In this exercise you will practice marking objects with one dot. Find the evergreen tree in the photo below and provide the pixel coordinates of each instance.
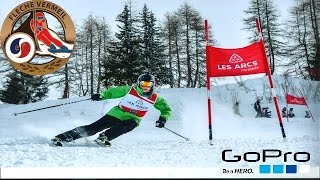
(184, 39)
(303, 46)
(125, 59)
(13, 89)
(171, 31)
(82, 74)
(268, 16)
(152, 47)
(21, 88)
(35, 88)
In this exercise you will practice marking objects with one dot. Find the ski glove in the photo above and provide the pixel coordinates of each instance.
(96, 97)
(160, 123)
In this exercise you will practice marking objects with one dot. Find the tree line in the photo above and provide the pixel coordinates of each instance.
(173, 50)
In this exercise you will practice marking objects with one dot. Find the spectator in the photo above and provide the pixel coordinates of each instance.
(307, 114)
(284, 112)
(291, 114)
(265, 112)
(257, 107)
(236, 109)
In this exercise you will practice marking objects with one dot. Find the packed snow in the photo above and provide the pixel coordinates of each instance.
(25, 138)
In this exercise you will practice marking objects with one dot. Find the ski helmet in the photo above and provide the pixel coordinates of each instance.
(146, 79)
(40, 18)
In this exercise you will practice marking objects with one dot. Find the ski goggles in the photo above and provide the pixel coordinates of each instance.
(40, 18)
(146, 83)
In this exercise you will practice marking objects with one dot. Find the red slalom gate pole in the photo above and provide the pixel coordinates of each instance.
(270, 79)
(208, 83)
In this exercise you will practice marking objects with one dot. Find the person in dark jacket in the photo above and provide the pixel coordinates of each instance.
(257, 108)
(284, 112)
(291, 114)
(307, 115)
(265, 112)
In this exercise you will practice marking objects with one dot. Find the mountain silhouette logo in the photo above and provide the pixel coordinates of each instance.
(235, 58)
(139, 102)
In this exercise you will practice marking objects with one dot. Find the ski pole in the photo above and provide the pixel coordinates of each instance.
(52, 106)
(187, 139)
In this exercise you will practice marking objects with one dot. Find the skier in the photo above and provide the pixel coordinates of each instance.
(236, 109)
(136, 102)
(257, 107)
(42, 33)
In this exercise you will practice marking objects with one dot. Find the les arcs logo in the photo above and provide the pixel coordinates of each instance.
(30, 44)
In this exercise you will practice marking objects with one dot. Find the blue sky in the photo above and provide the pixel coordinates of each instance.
(225, 16)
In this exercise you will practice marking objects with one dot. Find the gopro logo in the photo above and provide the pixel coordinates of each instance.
(228, 156)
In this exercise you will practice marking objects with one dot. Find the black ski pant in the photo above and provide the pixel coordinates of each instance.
(115, 125)
(259, 113)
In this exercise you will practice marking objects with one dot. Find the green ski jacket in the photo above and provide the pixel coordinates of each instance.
(121, 91)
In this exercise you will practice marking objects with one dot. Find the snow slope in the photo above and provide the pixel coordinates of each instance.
(24, 139)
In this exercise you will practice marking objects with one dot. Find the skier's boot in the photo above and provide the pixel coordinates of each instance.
(64, 49)
(56, 141)
(102, 140)
(53, 49)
